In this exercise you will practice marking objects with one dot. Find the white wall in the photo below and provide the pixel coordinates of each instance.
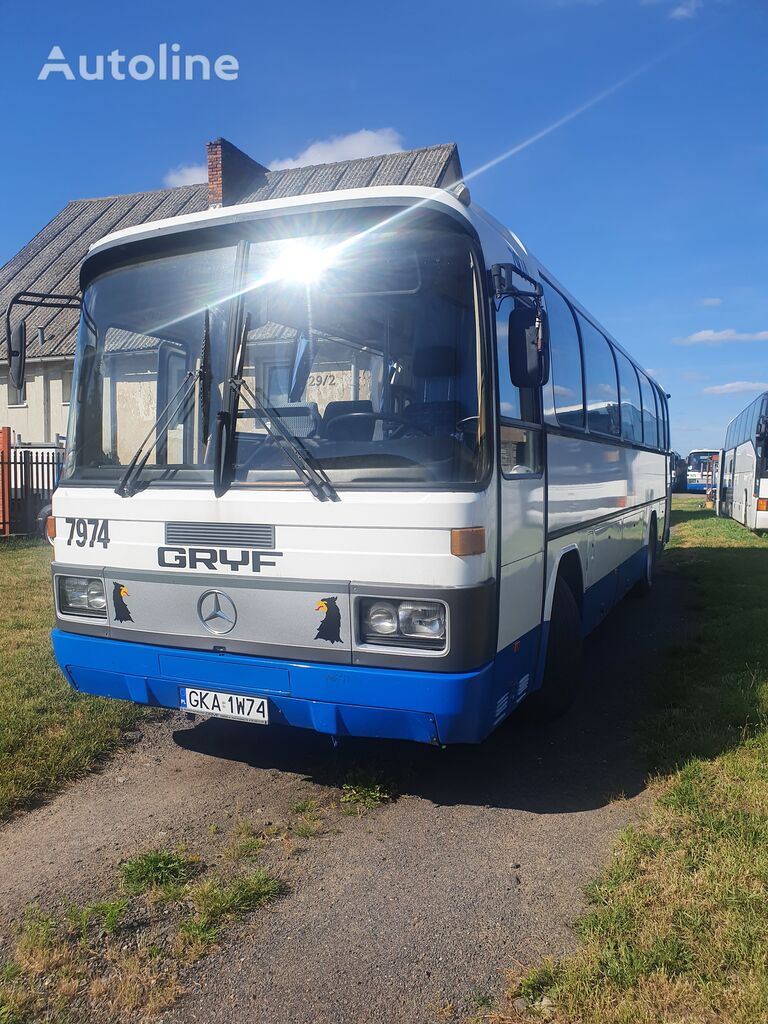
(44, 414)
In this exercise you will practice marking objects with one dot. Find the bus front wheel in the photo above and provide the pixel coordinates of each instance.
(562, 669)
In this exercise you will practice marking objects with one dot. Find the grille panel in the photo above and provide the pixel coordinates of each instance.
(221, 535)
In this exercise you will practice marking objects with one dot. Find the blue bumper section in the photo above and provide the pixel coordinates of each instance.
(342, 700)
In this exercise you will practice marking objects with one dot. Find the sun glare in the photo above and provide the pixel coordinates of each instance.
(301, 262)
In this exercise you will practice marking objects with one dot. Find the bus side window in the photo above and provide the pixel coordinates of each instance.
(602, 383)
(631, 419)
(754, 419)
(520, 443)
(567, 375)
(650, 433)
(661, 403)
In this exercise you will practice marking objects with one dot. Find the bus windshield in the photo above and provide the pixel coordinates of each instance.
(698, 462)
(366, 345)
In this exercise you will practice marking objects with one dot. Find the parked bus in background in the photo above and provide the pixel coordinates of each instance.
(353, 462)
(699, 469)
(678, 472)
(743, 490)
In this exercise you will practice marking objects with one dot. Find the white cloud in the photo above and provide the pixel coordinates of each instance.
(735, 387)
(186, 174)
(345, 147)
(681, 10)
(685, 9)
(720, 337)
(710, 302)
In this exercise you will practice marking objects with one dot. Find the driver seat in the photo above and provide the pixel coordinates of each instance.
(352, 430)
(435, 368)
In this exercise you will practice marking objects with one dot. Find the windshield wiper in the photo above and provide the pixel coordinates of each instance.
(126, 488)
(307, 470)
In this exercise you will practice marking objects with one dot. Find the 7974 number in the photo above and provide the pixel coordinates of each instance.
(88, 531)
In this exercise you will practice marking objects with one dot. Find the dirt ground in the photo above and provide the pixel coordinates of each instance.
(476, 867)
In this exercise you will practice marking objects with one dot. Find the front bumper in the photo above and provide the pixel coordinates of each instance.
(341, 700)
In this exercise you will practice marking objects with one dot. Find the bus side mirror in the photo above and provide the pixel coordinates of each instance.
(16, 343)
(528, 338)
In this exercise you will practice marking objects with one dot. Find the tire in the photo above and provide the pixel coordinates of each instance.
(562, 669)
(645, 585)
(42, 523)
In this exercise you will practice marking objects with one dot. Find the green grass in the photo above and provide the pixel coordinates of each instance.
(677, 926)
(48, 733)
(363, 791)
(304, 807)
(120, 958)
(157, 869)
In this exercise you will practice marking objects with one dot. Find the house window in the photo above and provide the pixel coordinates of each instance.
(66, 386)
(17, 396)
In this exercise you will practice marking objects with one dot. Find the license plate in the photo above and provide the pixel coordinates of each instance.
(224, 705)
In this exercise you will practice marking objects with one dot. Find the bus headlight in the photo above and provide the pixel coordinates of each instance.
(403, 623)
(82, 595)
(381, 618)
(422, 618)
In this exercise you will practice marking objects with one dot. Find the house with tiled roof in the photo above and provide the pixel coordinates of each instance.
(50, 262)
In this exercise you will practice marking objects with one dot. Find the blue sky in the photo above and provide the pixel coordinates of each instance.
(650, 206)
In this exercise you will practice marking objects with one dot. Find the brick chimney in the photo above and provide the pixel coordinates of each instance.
(231, 173)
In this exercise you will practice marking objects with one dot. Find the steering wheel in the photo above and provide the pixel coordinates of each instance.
(464, 425)
(385, 417)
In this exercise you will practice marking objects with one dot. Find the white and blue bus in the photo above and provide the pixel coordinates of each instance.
(353, 462)
(699, 473)
(743, 483)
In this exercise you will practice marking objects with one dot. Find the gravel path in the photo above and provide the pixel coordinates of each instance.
(422, 903)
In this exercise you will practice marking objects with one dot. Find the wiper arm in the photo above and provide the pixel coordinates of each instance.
(126, 488)
(310, 474)
(205, 378)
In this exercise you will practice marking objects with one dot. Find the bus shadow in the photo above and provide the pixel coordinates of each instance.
(590, 757)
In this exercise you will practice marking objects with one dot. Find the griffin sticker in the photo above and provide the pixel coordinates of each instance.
(330, 628)
(122, 612)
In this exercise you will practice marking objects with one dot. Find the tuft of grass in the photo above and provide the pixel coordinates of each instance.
(49, 734)
(247, 842)
(308, 826)
(304, 807)
(108, 913)
(242, 849)
(676, 926)
(158, 869)
(363, 791)
(216, 900)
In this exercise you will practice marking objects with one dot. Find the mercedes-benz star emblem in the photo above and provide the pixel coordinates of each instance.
(217, 612)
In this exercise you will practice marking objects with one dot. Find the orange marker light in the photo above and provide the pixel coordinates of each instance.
(762, 504)
(468, 541)
(50, 528)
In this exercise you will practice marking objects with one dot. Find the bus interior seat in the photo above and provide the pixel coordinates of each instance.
(437, 411)
(303, 419)
(359, 429)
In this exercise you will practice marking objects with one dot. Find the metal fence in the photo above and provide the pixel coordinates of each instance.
(27, 481)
